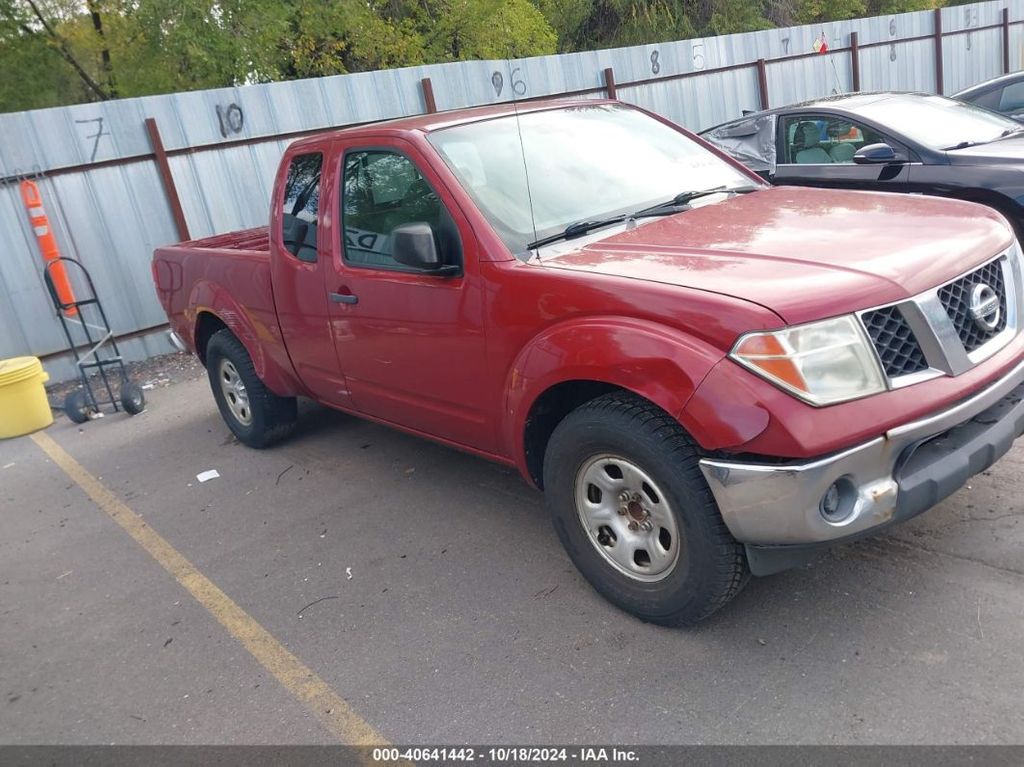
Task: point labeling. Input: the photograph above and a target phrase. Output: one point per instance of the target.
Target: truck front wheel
(255, 415)
(632, 509)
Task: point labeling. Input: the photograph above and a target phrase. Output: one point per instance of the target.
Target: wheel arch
(576, 362)
(280, 380)
(207, 323)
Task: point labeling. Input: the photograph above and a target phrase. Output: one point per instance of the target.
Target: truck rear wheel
(255, 415)
(632, 509)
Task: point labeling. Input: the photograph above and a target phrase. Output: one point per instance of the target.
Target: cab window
(384, 190)
(301, 206)
(813, 140)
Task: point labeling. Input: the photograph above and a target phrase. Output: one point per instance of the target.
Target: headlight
(821, 363)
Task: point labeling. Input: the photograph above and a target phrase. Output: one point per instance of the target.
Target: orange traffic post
(47, 243)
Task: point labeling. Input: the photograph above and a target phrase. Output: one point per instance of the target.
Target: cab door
(818, 150)
(411, 342)
(299, 263)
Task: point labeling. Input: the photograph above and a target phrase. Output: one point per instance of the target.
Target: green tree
(583, 25)
(487, 29)
(731, 16)
(810, 11)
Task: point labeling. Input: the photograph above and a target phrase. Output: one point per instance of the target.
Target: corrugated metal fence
(108, 201)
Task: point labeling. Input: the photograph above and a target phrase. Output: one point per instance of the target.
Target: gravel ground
(153, 373)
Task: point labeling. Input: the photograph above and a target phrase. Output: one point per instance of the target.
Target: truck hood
(806, 254)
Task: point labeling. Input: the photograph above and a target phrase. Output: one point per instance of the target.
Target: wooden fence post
(855, 60)
(1006, 41)
(762, 82)
(428, 95)
(164, 167)
(609, 82)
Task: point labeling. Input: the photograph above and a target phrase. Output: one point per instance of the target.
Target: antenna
(519, 129)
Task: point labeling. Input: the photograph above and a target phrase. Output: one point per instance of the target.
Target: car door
(299, 262)
(818, 150)
(411, 343)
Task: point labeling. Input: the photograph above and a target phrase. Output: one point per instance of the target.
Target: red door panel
(411, 345)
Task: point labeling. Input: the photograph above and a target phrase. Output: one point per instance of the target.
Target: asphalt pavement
(427, 589)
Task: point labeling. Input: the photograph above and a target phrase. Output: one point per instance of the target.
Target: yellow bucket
(23, 404)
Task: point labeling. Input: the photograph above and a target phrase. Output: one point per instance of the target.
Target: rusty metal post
(939, 86)
(1006, 41)
(762, 82)
(428, 95)
(609, 82)
(164, 167)
(855, 60)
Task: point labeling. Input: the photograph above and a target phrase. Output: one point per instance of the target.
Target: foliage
(69, 51)
(737, 16)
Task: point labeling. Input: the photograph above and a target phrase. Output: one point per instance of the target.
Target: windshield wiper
(1009, 132)
(685, 198)
(965, 144)
(676, 205)
(576, 229)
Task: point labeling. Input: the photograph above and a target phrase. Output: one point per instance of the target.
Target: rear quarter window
(301, 206)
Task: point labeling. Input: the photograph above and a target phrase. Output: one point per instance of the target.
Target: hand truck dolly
(96, 350)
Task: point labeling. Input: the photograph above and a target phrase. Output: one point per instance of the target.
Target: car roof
(848, 102)
(427, 123)
(984, 86)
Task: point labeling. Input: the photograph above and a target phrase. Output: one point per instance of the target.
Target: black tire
(710, 566)
(77, 407)
(270, 418)
(133, 399)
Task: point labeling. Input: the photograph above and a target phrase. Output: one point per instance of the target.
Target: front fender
(656, 362)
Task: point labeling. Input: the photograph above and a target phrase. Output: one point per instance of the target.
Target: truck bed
(230, 271)
(256, 240)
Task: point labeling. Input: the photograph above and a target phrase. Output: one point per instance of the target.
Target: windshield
(584, 163)
(938, 122)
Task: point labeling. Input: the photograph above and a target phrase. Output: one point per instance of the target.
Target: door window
(384, 190)
(1012, 100)
(301, 206)
(989, 99)
(813, 140)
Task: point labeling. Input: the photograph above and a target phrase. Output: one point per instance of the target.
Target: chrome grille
(935, 333)
(897, 347)
(956, 300)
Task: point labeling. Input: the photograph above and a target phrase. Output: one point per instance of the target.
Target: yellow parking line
(333, 711)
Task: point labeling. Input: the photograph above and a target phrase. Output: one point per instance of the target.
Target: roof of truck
(431, 122)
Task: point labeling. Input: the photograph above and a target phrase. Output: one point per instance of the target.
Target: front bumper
(888, 479)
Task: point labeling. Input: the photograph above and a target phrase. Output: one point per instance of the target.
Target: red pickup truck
(707, 376)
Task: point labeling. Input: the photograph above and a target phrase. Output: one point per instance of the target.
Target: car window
(988, 99)
(384, 190)
(824, 140)
(1012, 100)
(301, 205)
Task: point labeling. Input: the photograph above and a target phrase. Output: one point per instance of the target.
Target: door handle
(343, 298)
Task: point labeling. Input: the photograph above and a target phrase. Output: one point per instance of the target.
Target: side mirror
(875, 154)
(414, 245)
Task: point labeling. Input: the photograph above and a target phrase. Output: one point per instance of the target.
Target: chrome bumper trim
(176, 341)
(768, 504)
